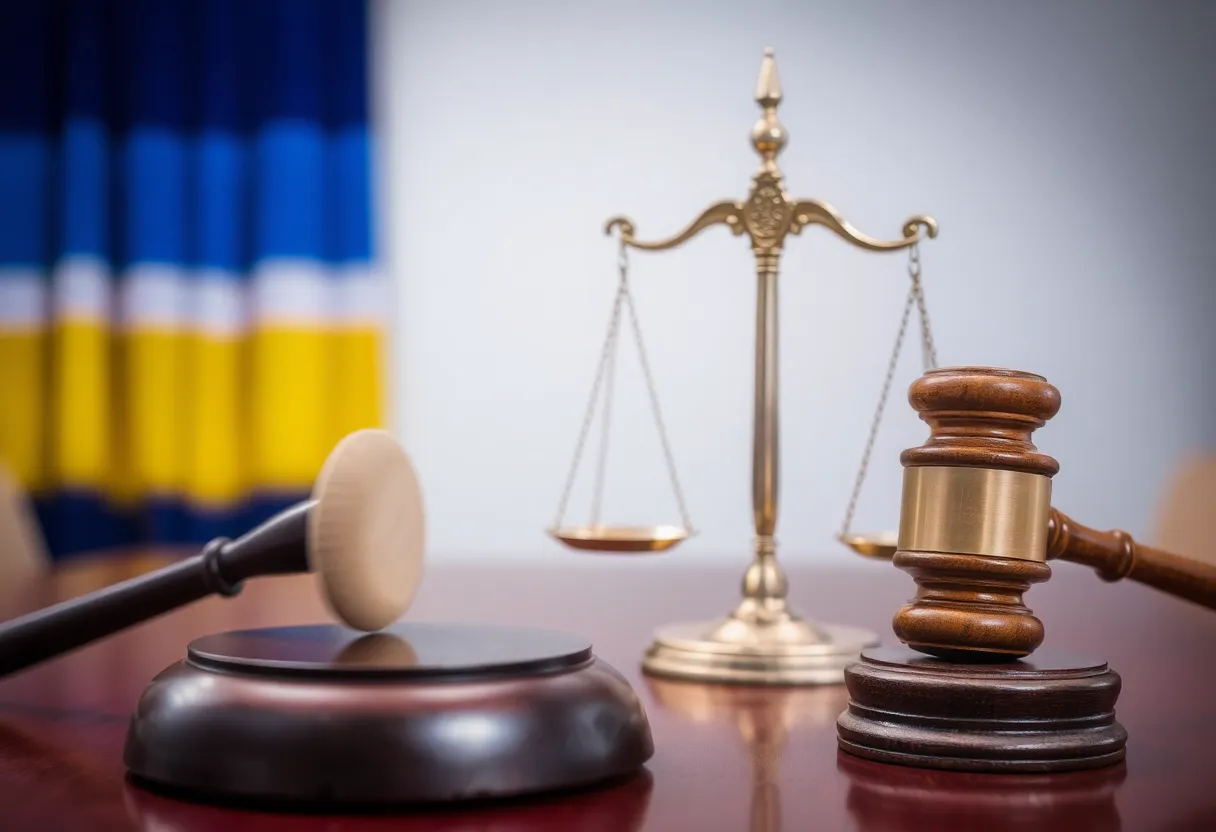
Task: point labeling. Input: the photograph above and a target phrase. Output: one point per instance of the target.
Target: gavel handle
(277, 547)
(1114, 555)
(62, 627)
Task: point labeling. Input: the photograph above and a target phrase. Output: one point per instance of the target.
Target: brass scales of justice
(763, 641)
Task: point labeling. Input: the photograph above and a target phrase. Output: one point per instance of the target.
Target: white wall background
(1065, 149)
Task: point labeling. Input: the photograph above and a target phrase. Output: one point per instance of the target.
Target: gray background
(1065, 148)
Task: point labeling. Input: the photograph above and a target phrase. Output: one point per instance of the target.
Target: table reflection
(894, 798)
(616, 807)
(764, 717)
(59, 787)
(74, 789)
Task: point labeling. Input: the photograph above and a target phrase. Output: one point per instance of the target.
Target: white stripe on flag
(217, 305)
(153, 295)
(284, 292)
(292, 293)
(81, 288)
(362, 296)
(23, 294)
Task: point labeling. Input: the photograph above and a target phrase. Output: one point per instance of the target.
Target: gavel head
(974, 516)
(362, 534)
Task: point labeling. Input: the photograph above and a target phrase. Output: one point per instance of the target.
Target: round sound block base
(418, 713)
(1043, 713)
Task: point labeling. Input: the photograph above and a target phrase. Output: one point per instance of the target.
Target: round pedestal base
(417, 713)
(732, 651)
(1043, 713)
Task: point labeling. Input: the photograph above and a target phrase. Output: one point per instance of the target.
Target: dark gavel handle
(1114, 555)
(275, 547)
(71, 624)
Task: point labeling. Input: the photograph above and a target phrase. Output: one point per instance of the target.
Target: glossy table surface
(726, 758)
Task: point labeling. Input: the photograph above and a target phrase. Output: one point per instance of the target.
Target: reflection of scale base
(787, 651)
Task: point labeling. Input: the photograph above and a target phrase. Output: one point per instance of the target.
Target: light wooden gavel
(977, 527)
(361, 533)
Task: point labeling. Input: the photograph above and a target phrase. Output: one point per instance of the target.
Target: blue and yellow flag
(190, 314)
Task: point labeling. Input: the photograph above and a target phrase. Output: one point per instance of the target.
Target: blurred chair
(22, 548)
(1186, 515)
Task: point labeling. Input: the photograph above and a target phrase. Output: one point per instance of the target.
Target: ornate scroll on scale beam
(764, 641)
(769, 214)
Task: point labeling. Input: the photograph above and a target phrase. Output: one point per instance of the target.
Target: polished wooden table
(726, 758)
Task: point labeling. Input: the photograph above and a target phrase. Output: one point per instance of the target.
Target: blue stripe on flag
(24, 164)
(155, 194)
(86, 62)
(78, 522)
(350, 200)
(220, 180)
(227, 45)
(25, 61)
(290, 213)
(196, 524)
(154, 57)
(85, 206)
(74, 522)
(346, 82)
(288, 54)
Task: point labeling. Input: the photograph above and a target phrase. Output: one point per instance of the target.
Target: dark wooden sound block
(1043, 713)
(417, 713)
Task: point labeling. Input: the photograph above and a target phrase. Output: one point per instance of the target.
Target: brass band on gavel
(975, 511)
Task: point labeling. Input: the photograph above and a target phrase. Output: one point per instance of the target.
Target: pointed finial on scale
(769, 136)
(768, 88)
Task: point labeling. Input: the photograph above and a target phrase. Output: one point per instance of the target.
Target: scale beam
(768, 226)
(812, 212)
(764, 641)
(723, 213)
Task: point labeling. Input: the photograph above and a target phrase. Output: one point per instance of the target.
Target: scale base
(418, 713)
(736, 650)
(1043, 713)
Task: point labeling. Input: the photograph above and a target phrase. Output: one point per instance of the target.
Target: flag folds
(190, 313)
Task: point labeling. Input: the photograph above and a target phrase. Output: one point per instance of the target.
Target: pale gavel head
(367, 530)
(362, 533)
(975, 511)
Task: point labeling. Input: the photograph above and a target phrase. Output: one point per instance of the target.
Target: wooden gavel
(977, 527)
(361, 532)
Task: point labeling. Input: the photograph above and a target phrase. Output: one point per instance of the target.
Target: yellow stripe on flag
(215, 470)
(154, 383)
(357, 401)
(157, 412)
(22, 405)
(80, 397)
(291, 397)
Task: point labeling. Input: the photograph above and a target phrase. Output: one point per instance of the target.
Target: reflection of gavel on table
(977, 527)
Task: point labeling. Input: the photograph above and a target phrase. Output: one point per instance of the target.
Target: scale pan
(621, 538)
(881, 545)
